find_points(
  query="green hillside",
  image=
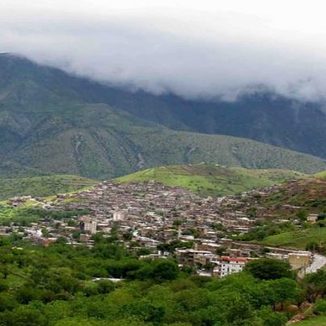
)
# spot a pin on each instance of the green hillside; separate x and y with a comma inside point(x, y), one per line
point(209, 179)
point(42, 186)
point(285, 211)
point(48, 127)
point(297, 239)
point(321, 175)
point(96, 141)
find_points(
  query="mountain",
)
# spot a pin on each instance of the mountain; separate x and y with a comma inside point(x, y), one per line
point(262, 116)
point(52, 122)
point(210, 179)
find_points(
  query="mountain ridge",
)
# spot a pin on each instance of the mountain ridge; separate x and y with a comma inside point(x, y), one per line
point(261, 116)
point(46, 126)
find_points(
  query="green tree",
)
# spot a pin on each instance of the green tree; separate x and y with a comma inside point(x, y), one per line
point(315, 285)
point(165, 270)
point(269, 269)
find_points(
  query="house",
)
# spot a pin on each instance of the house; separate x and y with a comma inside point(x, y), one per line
point(300, 259)
point(119, 216)
point(227, 265)
point(87, 224)
point(191, 257)
point(312, 218)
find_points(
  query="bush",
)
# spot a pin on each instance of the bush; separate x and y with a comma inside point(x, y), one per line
point(320, 307)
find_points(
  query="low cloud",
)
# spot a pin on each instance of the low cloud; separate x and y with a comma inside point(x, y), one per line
point(193, 54)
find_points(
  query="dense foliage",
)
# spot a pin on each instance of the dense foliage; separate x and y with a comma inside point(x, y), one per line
point(65, 285)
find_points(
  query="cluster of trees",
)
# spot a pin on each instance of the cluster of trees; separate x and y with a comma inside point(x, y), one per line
point(26, 215)
point(62, 285)
point(265, 229)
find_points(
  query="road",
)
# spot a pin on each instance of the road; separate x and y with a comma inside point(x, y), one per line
point(318, 262)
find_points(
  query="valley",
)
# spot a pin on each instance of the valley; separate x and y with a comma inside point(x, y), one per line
point(127, 197)
point(162, 163)
point(119, 233)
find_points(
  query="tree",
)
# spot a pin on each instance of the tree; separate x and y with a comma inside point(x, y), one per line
point(7, 302)
point(165, 270)
point(159, 270)
point(315, 285)
point(320, 307)
point(270, 318)
point(45, 232)
point(23, 316)
point(302, 215)
point(269, 269)
point(283, 290)
point(105, 286)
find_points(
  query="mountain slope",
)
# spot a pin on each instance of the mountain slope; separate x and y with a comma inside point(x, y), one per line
point(296, 200)
point(47, 126)
point(321, 175)
point(95, 141)
point(42, 185)
point(209, 179)
point(261, 116)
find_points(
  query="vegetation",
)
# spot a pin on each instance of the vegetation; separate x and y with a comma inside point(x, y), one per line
point(264, 230)
point(26, 214)
point(210, 179)
point(42, 186)
point(51, 122)
point(65, 285)
point(299, 238)
point(321, 175)
point(283, 216)
point(269, 269)
point(264, 117)
point(315, 321)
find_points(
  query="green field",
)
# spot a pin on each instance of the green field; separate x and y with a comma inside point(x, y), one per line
point(209, 179)
point(297, 239)
point(42, 186)
point(316, 321)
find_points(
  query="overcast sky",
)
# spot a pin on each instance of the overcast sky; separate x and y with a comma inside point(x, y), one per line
point(201, 48)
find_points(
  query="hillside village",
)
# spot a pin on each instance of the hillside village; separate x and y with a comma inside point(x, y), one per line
point(159, 221)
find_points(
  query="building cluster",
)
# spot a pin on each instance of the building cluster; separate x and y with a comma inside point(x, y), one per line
point(165, 220)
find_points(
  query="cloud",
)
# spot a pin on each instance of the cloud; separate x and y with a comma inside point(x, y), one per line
point(193, 50)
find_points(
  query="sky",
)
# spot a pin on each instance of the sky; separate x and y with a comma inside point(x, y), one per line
point(207, 49)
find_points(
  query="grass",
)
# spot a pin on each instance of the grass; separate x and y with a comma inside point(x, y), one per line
point(211, 179)
point(297, 239)
point(321, 175)
point(42, 186)
point(315, 321)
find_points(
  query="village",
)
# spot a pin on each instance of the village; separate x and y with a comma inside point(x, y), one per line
point(160, 222)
